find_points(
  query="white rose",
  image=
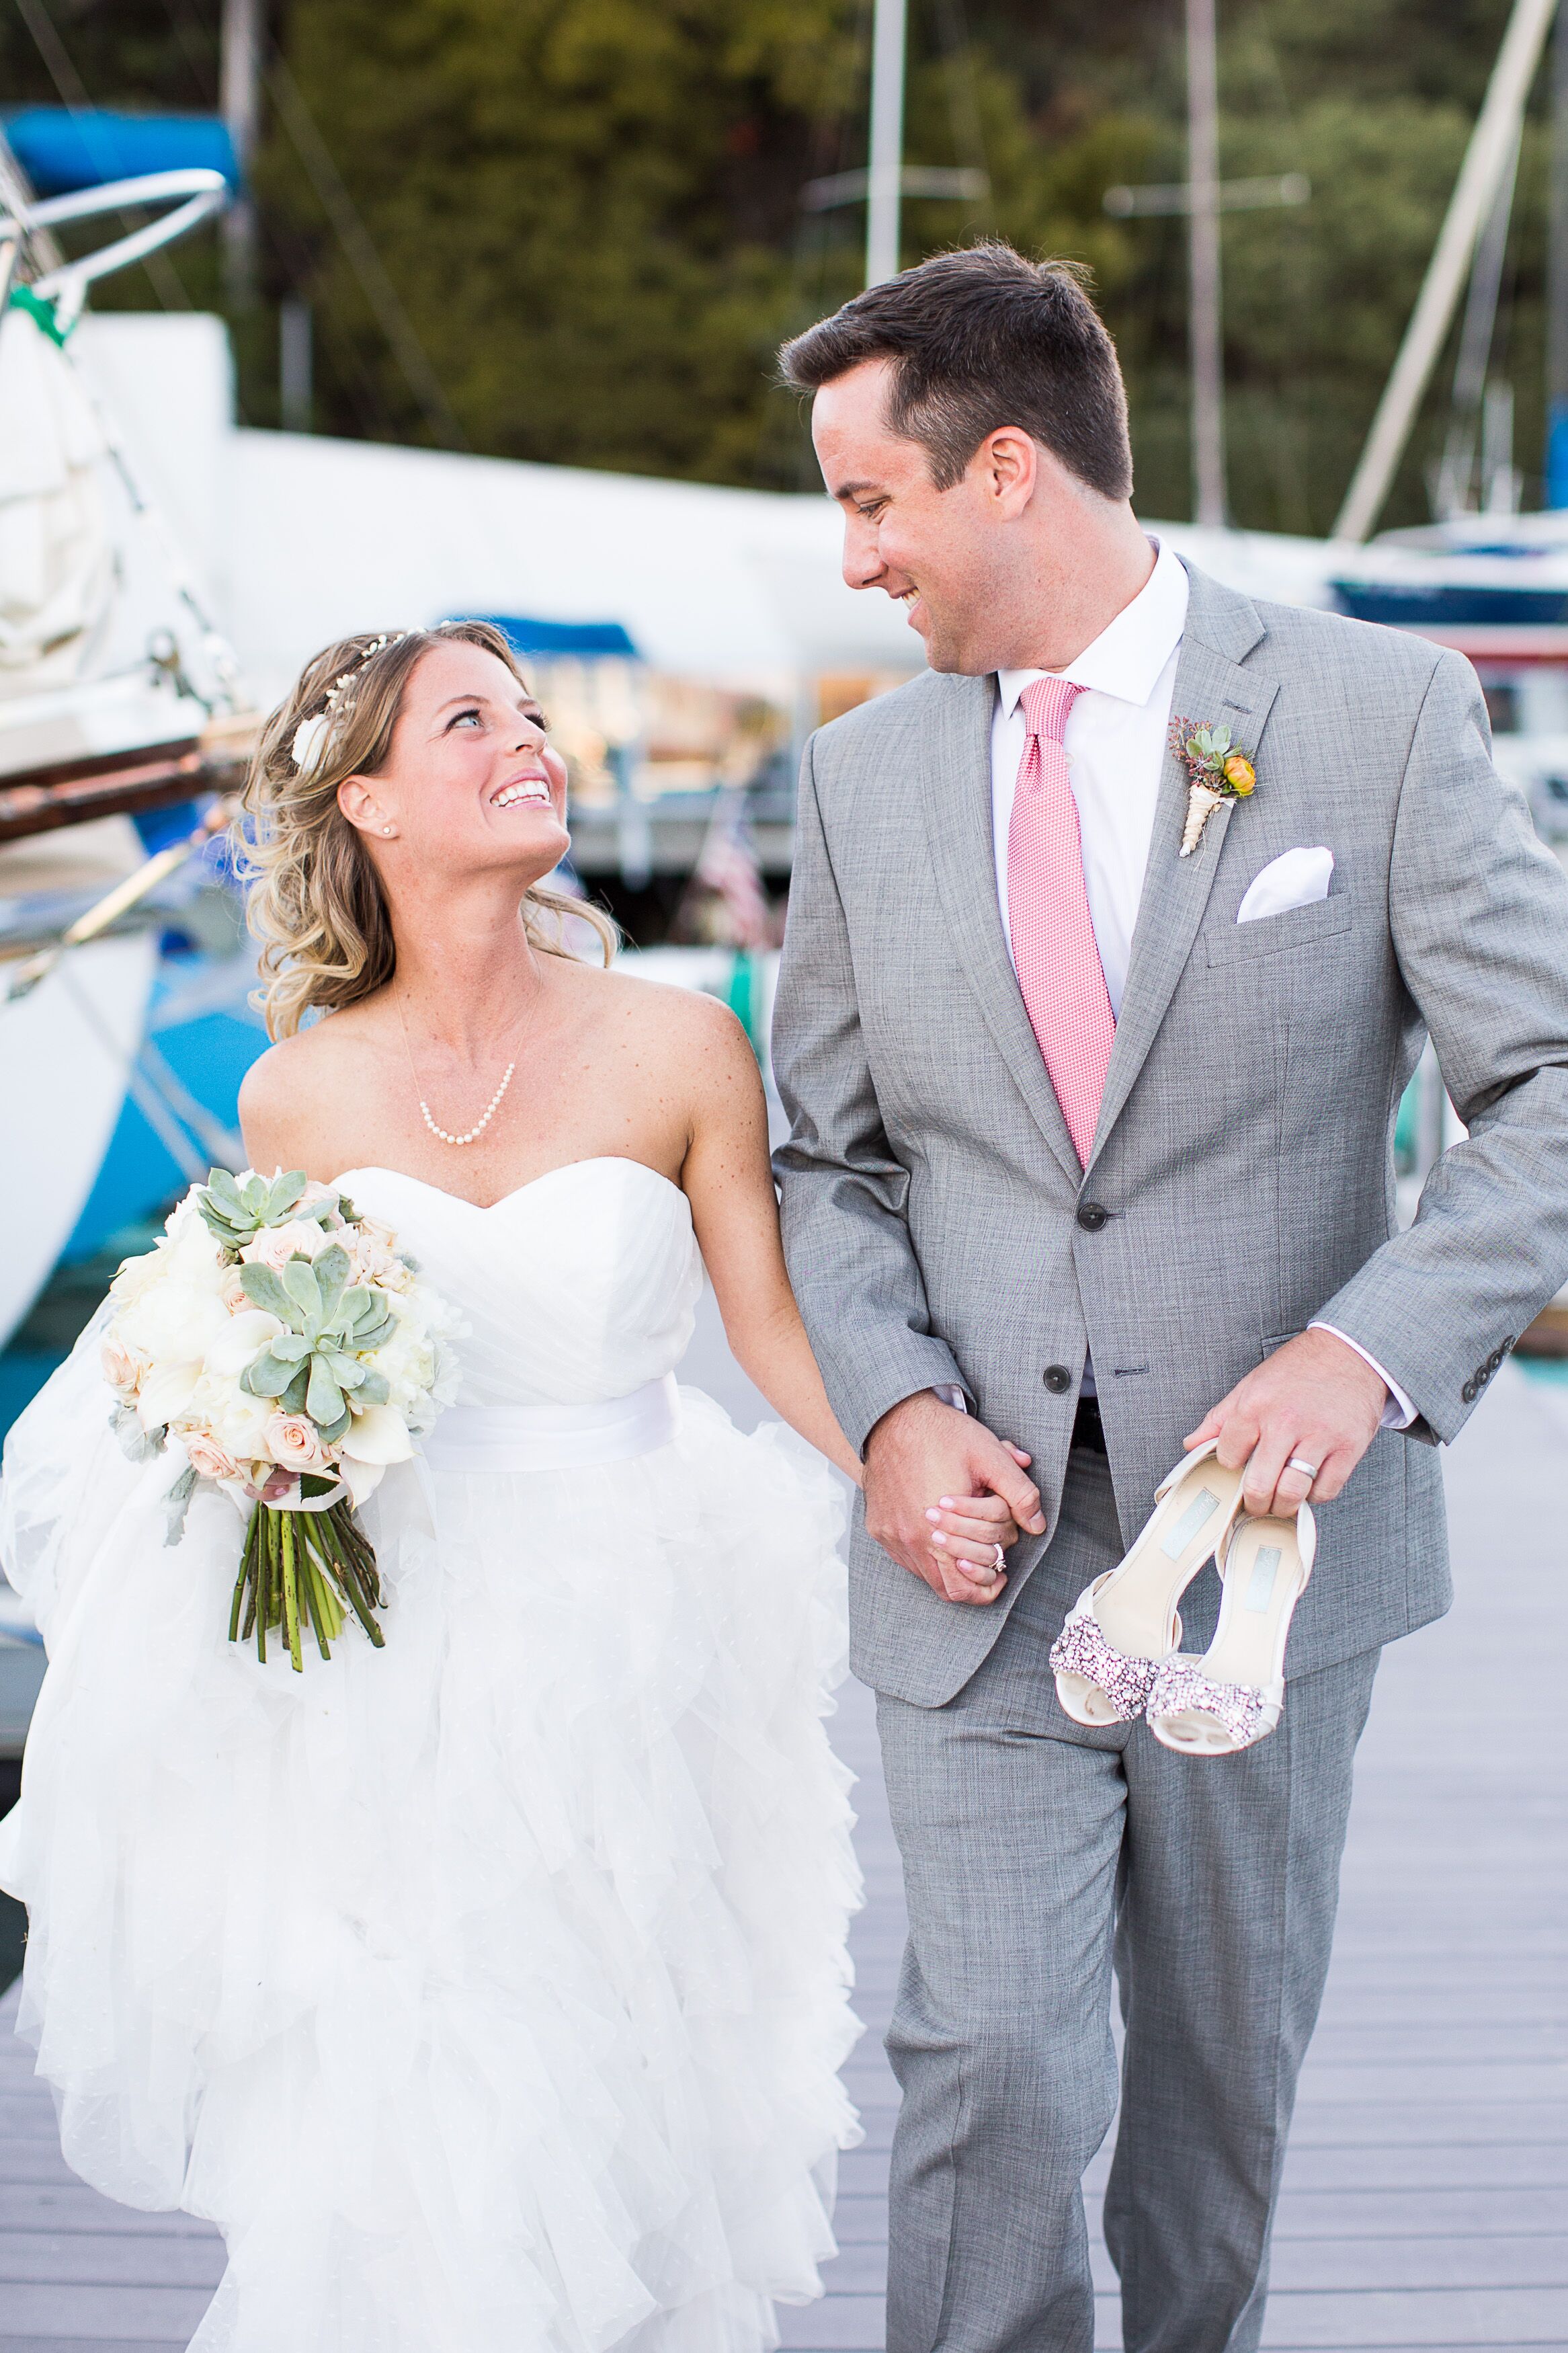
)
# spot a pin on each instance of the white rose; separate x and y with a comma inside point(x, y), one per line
point(407, 1362)
point(236, 1420)
point(165, 1393)
point(173, 1322)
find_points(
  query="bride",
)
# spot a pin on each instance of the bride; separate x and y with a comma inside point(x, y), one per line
point(489, 1991)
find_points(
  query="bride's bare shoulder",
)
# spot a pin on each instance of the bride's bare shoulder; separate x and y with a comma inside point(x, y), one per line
point(662, 1014)
point(294, 1096)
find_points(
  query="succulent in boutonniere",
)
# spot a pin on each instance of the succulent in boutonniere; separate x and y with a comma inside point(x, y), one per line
point(1217, 770)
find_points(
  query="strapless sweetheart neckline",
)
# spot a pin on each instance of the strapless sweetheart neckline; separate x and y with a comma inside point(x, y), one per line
point(485, 1209)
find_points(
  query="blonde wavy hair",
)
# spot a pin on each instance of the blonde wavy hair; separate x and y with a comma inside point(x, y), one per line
point(314, 899)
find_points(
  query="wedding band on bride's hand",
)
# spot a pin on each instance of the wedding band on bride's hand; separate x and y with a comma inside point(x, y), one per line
point(1308, 1470)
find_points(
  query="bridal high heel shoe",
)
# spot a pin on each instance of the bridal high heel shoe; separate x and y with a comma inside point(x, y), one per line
point(1233, 1694)
point(1121, 1627)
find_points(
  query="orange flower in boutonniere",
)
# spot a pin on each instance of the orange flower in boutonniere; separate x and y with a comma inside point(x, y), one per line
point(1216, 772)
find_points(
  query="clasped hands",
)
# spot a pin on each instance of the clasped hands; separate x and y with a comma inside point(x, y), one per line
point(943, 1492)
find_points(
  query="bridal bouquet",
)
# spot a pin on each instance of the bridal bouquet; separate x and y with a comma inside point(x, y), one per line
point(288, 1346)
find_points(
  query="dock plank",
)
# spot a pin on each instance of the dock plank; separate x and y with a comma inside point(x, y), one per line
point(1423, 2207)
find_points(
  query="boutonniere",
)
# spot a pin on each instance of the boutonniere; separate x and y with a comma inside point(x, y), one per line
point(1216, 771)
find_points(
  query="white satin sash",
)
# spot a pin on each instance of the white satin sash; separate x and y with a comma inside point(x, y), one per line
point(522, 1439)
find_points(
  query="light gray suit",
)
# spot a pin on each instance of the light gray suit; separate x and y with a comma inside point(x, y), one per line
point(939, 1229)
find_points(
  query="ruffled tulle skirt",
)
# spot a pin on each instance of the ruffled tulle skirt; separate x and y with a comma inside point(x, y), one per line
point(489, 1991)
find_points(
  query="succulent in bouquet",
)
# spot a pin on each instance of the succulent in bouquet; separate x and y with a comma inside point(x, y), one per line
point(288, 1346)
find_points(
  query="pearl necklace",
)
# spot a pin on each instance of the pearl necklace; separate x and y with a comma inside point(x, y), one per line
point(491, 1109)
point(481, 1126)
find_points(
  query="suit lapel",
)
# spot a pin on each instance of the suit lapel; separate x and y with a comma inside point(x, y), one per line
point(1211, 685)
point(959, 821)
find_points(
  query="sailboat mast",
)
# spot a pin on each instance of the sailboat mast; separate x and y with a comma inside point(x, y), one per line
point(1557, 275)
point(884, 178)
point(1203, 229)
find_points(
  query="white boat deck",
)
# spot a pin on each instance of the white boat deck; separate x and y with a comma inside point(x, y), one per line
point(1426, 2193)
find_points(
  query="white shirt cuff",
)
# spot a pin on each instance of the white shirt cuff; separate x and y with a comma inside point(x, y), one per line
point(1398, 1413)
point(951, 1395)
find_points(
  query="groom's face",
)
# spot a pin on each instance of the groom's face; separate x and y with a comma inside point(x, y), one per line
point(937, 553)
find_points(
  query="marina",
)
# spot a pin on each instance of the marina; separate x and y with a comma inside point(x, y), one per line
point(686, 636)
point(1426, 2197)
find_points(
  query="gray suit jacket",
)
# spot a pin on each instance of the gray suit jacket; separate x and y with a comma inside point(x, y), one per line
point(937, 1224)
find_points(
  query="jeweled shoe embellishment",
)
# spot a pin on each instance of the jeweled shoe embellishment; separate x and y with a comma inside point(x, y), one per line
point(1081, 1649)
point(1180, 1684)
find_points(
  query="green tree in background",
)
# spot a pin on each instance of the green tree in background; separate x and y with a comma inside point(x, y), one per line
point(587, 213)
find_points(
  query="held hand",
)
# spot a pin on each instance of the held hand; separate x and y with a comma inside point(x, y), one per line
point(921, 1449)
point(1312, 1401)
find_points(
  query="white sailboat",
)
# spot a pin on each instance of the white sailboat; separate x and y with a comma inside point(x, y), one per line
point(115, 694)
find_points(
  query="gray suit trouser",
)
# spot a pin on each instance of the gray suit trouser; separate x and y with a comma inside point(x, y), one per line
point(1033, 1851)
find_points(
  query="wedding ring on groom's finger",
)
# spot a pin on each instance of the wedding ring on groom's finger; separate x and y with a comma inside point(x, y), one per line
point(1309, 1470)
point(1000, 1562)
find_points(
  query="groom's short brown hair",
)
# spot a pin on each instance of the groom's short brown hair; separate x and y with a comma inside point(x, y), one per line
point(980, 339)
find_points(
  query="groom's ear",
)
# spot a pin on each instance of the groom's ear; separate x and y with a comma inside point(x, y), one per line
point(1008, 462)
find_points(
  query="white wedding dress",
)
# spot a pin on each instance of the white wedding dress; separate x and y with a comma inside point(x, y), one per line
point(488, 1991)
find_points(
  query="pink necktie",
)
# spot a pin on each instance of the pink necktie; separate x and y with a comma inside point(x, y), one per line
point(1054, 946)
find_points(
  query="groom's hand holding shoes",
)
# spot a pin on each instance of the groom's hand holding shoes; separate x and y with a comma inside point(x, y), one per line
point(1314, 1402)
point(924, 1451)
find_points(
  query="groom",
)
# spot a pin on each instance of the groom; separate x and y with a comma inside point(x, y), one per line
point(1143, 1201)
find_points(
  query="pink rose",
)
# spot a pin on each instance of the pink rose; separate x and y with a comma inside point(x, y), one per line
point(207, 1459)
point(374, 1259)
point(275, 1245)
point(233, 1292)
point(122, 1368)
point(292, 1440)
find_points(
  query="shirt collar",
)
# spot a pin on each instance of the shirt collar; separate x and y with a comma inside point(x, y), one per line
point(1129, 655)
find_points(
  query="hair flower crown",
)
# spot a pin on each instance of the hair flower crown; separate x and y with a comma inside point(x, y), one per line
point(313, 736)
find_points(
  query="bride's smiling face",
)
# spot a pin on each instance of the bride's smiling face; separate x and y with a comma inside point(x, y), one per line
point(470, 784)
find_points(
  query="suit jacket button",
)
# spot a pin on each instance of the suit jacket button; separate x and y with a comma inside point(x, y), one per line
point(1468, 1392)
point(1091, 1217)
point(1494, 1360)
point(1058, 1379)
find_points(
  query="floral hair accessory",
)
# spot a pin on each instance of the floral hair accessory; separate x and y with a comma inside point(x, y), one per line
point(312, 734)
point(1217, 771)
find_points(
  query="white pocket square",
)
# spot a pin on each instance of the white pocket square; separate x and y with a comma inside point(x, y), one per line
point(1294, 879)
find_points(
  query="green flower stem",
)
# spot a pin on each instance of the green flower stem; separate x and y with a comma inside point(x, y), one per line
point(304, 1569)
point(263, 1581)
point(247, 1562)
point(291, 1595)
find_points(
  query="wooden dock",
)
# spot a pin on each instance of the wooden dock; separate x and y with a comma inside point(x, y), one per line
point(1426, 2208)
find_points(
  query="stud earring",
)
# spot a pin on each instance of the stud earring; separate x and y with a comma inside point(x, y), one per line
point(386, 828)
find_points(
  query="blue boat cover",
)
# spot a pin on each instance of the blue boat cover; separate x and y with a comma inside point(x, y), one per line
point(61, 150)
point(589, 640)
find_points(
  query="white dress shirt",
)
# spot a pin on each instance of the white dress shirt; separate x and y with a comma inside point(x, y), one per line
point(1115, 747)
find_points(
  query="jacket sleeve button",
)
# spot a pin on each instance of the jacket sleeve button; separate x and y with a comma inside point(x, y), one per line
point(1468, 1392)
